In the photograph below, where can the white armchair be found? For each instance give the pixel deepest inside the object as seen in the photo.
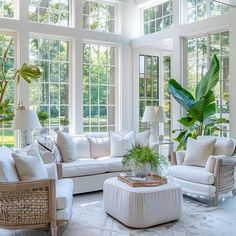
(216, 178)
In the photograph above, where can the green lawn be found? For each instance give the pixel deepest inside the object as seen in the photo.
(8, 138)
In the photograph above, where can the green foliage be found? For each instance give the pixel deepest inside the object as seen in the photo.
(201, 110)
(43, 117)
(26, 72)
(64, 122)
(143, 156)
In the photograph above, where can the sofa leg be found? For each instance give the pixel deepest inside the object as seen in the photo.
(214, 201)
(234, 192)
(53, 229)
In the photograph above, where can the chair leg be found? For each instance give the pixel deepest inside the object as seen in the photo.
(214, 201)
(53, 229)
(234, 192)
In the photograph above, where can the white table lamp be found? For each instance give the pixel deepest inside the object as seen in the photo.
(26, 121)
(154, 115)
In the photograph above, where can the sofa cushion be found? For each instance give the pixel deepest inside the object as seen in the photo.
(114, 164)
(7, 166)
(64, 193)
(66, 147)
(82, 146)
(192, 173)
(83, 167)
(196, 188)
(99, 146)
(121, 143)
(223, 146)
(198, 152)
(29, 167)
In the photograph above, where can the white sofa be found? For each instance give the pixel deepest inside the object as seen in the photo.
(87, 173)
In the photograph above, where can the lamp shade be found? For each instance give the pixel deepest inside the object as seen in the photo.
(26, 119)
(154, 114)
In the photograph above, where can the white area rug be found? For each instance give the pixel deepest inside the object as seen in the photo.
(89, 219)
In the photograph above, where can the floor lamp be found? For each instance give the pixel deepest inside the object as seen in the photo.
(26, 121)
(154, 115)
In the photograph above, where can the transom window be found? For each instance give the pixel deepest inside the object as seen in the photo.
(99, 16)
(202, 9)
(55, 12)
(51, 93)
(200, 51)
(99, 87)
(6, 132)
(158, 18)
(7, 8)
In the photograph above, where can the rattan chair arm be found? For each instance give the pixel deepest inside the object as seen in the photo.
(27, 203)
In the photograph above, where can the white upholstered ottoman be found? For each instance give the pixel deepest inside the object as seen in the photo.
(142, 207)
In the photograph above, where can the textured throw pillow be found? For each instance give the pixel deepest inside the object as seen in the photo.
(7, 166)
(99, 146)
(48, 144)
(198, 152)
(142, 139)
(66, 147)
(121, 143)
(29, 167)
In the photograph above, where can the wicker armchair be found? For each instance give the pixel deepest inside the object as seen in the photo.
(199, 181)
(30, 204)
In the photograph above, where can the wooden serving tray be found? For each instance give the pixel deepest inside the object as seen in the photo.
(151, 181)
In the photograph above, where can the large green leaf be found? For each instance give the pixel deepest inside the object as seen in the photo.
(27, 72)
(204, 108)
(209, 80)
(187, 121)
(181, 95)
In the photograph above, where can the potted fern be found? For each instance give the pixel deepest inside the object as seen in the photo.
(142, 160)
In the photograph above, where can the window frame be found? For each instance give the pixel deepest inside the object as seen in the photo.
(162, 17)
(116, 85)
(208, 59)
(116, 19)
(70, 75)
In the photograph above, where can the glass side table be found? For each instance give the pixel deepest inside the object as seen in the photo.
(164, 148)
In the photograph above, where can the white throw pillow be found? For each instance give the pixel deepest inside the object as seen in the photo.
(29, 167)
(99, 146)
(197, 152)
(121, 143)
(48, 144)
(142, 139)
(66, 147)
(7, 166)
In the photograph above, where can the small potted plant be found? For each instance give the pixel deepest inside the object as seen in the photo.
(142, 160)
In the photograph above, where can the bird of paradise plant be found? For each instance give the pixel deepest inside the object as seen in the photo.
(201, 108)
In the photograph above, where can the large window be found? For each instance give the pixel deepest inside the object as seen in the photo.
(7, 8)
(153, 89)
(99, 87)
(200, 51)
(55, 12)
(157, 18)
(202, 9)
(6, 132)
(51, 93)
(148, 84)
(99, 16)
